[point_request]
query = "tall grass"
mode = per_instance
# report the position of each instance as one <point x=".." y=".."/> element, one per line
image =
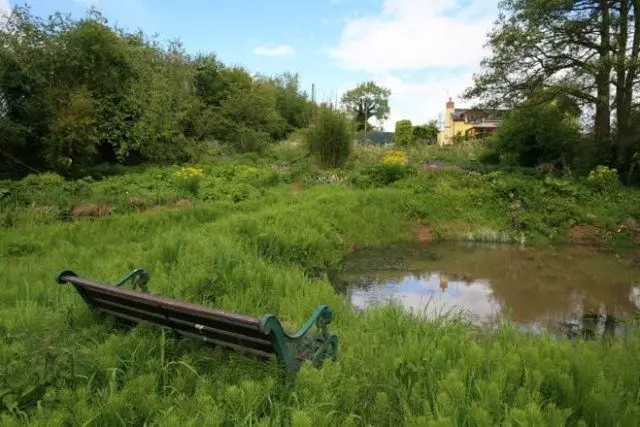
<point x="61" y="365"/>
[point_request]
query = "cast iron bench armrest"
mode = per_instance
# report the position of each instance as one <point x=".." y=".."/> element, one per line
<point x="295" y="348"/>
<point x="261" y="337"/>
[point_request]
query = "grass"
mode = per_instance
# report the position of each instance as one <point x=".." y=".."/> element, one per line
<point x="252" y="243"/>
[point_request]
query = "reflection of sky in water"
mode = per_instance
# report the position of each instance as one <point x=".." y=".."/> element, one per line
<point x="546" y="289"/>
<point x="634" y="296"/>
<point x="431" y="294"/>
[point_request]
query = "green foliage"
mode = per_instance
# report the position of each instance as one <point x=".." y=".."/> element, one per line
<point x="329" y="137"/>
<point x="73" y="133"/>
<point x="427" y="134"/>
<point x="252" y="245"/>
<point x="292" y="103"/>
<point x="536" y="134"/>
<point x="515" y="72"/>
<point x="367" y="101"/>
<point x="604" y="179"/>
<point x="403" y="135"/>
<point x="76" y="93"/>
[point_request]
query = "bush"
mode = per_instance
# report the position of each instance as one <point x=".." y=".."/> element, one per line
<point x="329" y="137"/>
<point x="426" y="134"/>
<point x="393" y="166"/>
<point x="537" y="134"/>
<point x="404" y="133"/>
<point x="604" y="179"/>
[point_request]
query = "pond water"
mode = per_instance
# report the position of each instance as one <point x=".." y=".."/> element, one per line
<point x="561" y="287"/>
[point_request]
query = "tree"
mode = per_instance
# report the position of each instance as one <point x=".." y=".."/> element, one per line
<point x="577" y="48"/>
<point x="249" y="117"/>
<point x="404" y="133"/>
<point x="366" y="101"/>
<point x="293" y="104"/>
<point x="426" y="133"/>
<point x="209" y="82"/>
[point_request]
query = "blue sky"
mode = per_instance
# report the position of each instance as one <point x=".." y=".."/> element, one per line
<point x="423" y="50"/>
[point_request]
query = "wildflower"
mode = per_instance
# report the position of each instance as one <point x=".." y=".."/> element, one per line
<point x="189" y="172"/>
<point x="394" y="157"/>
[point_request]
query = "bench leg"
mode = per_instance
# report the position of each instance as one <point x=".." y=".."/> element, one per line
<point x="294" y="349"/>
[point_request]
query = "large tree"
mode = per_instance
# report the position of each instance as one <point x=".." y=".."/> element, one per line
<point x="366" y="101"/>
<point x="577" y="48"/>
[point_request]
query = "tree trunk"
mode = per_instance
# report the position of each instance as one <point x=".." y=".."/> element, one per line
<point x="602" y="125"/>
<point x="622" y="112"/>
<point x="626" y="75"/>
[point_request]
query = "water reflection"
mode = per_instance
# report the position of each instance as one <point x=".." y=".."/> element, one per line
<point x="634" y="296"/>
<point x="429" y="294"/>
<point x="574" y="288"/>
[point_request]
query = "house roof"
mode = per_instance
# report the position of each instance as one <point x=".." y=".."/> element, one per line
<point x="458" y="113"/>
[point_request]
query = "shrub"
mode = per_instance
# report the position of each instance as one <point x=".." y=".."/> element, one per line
<point x="427" y="134"/>
<point x="329" y="137"/>
<point x="392" y="167"/>
<point x="188" y="179"/>
<point x="537" y="134"/>
<point x="604" y="179"/>
<point x="404" y="133"/>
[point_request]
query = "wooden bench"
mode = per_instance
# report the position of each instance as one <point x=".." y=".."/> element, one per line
<point x="262" y="337"/>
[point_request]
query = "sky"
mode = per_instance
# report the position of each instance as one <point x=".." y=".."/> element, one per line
<point x="424" y="51"/>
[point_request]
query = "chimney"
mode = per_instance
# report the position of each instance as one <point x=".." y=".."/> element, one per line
<point x="450" y="104"/>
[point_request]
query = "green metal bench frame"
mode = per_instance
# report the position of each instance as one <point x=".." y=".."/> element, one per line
<point x="262" y="337"/>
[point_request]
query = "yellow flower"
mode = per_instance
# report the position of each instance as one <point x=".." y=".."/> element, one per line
<point x="394" y="157"/>
<point x="189" y="172"/>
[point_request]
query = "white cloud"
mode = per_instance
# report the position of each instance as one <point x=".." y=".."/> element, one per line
<point x="416" y="34"/>
<point x="4" y="6"/>
<point x="440" y="41"/>
<point x="275" y="51"/>
<point x="424" y="99"/>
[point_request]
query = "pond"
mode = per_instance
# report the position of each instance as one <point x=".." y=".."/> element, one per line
<point x="570" y="288"/>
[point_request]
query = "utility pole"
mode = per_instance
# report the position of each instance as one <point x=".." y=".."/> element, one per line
<point x="313" y="92"/>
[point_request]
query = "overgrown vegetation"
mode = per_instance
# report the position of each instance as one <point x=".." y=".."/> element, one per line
<point x="221" y="216"/>
<point x="258" y="234"/>
<point x="77" y="93"/>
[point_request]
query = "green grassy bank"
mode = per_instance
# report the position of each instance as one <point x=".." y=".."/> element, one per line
<point x="257" y="235"/>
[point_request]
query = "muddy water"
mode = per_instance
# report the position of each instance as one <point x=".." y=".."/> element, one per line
<point x="572" y="288"/>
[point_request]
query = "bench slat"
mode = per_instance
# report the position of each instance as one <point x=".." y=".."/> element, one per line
<point x="188" y="316"/>
<point x="192" y="335"/>
<point x="166" y="320"/>
<point x="214" y="313"/>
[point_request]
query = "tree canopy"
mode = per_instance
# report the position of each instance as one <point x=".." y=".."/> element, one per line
<point x="365" y="101"/>
<point x="75" y="93"/>
<point x="585" y="50"/>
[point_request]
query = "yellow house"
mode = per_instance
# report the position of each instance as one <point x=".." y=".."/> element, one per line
<point x="465" y="123"/>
